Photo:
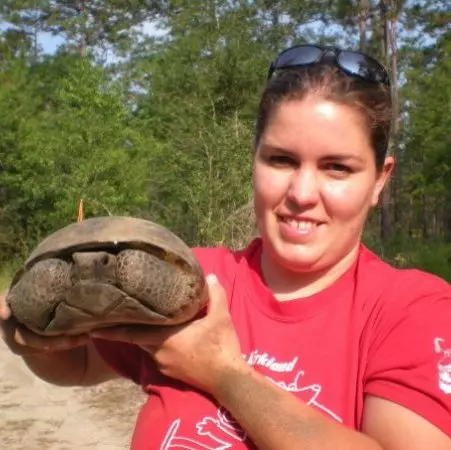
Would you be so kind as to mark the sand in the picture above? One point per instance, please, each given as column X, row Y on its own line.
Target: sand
column 37, row 415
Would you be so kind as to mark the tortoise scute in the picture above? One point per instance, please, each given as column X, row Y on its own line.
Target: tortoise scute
column 137, row 273
column 38, row 292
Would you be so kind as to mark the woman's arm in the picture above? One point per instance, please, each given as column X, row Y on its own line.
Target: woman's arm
column 276, row 419
column 397, row 427
column 63, row 361
column 206, row 354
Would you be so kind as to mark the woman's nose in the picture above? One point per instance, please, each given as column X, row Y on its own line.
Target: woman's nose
column 304, row 189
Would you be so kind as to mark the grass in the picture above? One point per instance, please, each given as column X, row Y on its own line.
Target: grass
column 6, row 274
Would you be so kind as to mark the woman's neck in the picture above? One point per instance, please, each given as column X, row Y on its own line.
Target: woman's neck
column 289, row 285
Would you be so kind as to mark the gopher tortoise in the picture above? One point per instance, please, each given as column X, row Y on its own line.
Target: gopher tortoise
column 107, row 271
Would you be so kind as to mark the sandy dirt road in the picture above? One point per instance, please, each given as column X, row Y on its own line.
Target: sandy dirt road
column 38, row 416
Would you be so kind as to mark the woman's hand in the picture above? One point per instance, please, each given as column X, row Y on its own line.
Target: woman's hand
column 199, row 353
column 23, row 342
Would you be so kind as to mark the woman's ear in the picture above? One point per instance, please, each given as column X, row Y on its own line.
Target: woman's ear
column 383, row 177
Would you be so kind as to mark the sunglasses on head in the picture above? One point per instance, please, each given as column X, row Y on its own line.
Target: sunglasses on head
column 351, row 62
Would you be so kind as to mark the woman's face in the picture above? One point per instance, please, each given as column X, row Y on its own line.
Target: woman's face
column 315, row 180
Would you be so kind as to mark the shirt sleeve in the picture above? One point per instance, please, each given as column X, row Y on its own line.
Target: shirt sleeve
column 409, row 361
column 132, row 362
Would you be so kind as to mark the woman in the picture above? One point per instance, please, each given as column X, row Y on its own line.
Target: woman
column 310, row 341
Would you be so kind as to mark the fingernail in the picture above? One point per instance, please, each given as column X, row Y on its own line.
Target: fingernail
column 211, row 279
column 19, row 338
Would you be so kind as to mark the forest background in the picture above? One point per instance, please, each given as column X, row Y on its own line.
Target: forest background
column 147, row 108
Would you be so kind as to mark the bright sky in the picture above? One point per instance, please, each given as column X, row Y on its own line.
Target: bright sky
column 50, row 43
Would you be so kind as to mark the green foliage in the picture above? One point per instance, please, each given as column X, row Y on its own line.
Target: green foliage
column 14, row 44
column 434, row 258
column 426, row 165
column 165, row 132
column 6, row 274
column 74, row 140
column 404, row 251
column 201, row 179
column 85, row 25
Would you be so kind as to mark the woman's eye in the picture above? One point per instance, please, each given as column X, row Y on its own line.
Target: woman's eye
column 337, row 167
column 281, row 160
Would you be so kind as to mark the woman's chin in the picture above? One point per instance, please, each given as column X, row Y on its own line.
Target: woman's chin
column 298, row 258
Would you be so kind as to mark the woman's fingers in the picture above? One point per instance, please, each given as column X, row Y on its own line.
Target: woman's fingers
column 148, row 335
column 155, row 335
column 217, row 305
column 4, row 310
column 24, row 342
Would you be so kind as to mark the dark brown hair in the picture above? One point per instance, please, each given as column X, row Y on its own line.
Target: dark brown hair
column 327, row 81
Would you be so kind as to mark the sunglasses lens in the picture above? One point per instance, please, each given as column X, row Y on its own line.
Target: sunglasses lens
column 298, row 56
column 354, row 63
column 362, row 66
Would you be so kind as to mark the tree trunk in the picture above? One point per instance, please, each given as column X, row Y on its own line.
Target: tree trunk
column 410, row 217
column 363, row 15
column 385, row 213
column 393, row 67
column 424, row 217
column 447, row 220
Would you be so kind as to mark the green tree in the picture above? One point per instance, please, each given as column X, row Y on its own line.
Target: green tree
column 68, row 137
column 85, row 25
column 428, row 139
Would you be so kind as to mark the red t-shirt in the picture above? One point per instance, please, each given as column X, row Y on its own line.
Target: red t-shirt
column 377, row 330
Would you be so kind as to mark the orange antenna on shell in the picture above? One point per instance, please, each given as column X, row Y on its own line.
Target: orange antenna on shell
column 80, row 211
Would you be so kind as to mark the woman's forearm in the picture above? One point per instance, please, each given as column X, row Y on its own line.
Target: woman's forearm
column 276, row 420
column 62, row 368
column 78, row 366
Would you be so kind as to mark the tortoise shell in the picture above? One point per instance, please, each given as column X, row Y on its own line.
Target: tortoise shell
column 107, row 271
